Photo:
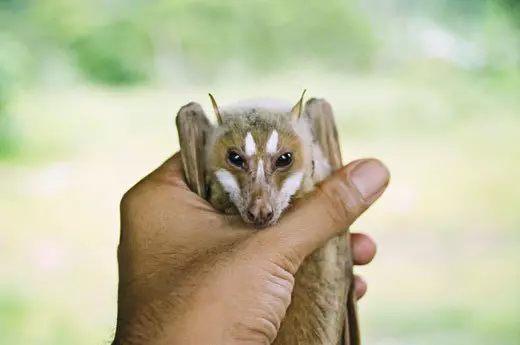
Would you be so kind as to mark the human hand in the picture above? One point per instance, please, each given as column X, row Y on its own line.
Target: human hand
column 191, row 275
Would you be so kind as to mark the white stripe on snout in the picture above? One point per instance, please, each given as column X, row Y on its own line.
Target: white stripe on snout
column 250, row 145
column 272, row 143
column 260, row 175
column 230, row 184
column 290, row 186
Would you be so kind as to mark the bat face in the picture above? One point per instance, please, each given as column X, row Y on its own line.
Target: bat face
column 259, row 163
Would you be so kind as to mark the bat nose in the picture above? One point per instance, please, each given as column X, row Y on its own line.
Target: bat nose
column 260, row 212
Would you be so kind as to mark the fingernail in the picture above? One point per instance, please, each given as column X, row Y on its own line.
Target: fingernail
column 369, row 178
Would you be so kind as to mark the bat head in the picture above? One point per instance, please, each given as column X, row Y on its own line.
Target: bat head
column 260, row 160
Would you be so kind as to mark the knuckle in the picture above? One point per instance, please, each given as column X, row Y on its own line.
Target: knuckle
column 128, row 200
column 341, row 201
column 253, row 331
column 132, row 200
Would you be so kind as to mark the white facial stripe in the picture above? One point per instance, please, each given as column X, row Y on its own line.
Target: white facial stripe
column 272, row 143
column 250, row 145
column 291, row 186
column 260, row 175
column 230, row 184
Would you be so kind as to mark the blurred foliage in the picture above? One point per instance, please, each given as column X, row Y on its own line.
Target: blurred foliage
column 119, row 53
column 14, row 59
column 123, row 42
column 128, row 42
column 513, row 7
column 119, row 42
column 116, row 42
column 263, row 34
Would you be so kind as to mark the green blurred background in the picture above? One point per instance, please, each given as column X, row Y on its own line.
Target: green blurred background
column 88, row 95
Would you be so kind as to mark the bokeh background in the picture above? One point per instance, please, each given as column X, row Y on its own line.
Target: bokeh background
column 88, row 95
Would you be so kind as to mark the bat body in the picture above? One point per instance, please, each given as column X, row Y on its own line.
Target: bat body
column 261, row 155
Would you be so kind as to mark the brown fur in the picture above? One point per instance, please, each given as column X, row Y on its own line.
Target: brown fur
column 260, row 123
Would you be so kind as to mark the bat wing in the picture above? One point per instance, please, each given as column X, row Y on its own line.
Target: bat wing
column 321, row 117
column 193, row 128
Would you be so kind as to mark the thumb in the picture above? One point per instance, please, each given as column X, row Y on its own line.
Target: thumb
column 327, row 211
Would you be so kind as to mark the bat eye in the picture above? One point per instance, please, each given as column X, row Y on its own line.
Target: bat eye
column 284, row 160
column 235, row 159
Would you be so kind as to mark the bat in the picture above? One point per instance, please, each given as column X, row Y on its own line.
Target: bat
column 259, row 156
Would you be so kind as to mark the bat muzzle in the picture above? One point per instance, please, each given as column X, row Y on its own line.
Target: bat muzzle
column 260, row 213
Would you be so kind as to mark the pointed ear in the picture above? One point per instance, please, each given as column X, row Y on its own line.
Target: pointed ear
column 215, row 108
column 297, row 110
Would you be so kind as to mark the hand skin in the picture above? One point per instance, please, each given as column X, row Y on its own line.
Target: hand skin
column 190, row 275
